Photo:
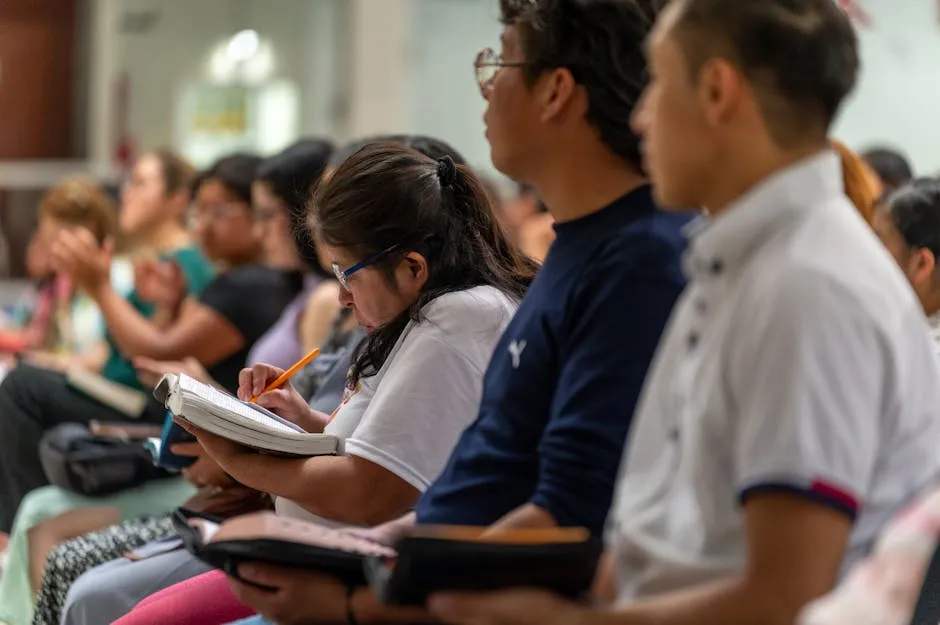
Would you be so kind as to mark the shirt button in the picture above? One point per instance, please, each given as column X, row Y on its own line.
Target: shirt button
column 692, row 341
column 701, row 305
column 717, row 266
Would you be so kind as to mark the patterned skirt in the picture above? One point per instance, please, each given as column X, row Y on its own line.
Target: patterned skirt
column 73, row 558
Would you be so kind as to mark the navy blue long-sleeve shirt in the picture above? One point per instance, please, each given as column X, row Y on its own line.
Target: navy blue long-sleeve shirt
column 563, row 382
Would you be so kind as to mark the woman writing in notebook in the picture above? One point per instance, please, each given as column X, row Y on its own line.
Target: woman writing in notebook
column 428, row 272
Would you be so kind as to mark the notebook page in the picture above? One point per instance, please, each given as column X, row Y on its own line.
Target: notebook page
column 227, row 403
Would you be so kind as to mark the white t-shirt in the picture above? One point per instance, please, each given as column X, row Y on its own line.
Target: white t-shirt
column 796, row 360
column 408, row 417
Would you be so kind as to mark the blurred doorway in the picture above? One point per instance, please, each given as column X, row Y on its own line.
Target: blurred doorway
column 37, row 59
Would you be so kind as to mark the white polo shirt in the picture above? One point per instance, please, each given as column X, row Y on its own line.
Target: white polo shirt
column 798, row 359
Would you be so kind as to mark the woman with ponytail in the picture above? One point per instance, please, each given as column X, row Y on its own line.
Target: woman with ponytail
column 429, row 273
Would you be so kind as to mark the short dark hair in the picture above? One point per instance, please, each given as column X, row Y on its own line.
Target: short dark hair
column 915, row 212
column 890, row 165
column 601, row 43
column 802, row 55
column 235, row 172
column 292, row 176
column 390, row 197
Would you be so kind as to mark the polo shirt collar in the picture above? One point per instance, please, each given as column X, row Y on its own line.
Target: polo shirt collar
column 729, row 239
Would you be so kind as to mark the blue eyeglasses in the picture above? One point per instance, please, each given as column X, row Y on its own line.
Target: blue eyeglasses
column 343, row 274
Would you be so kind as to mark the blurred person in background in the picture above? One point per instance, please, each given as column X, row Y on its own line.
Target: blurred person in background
column 217, row 328
column 24, row 310
column 280, row 197
column 522, row 205
column 891, row 166
column 237, row 307
column 154, row 203
column 528, row 221
column 908, row 223
column 34, row 399
column 64, row 326
column 168, row 265
column 321, row 315
column 537, row 232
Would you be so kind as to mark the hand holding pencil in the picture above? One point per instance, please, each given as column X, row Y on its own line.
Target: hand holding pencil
column 270, row 388
column 284, row 378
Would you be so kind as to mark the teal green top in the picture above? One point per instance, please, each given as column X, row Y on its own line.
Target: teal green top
column 198, row 272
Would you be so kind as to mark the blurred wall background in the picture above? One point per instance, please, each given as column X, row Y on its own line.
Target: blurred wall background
column 86, row 84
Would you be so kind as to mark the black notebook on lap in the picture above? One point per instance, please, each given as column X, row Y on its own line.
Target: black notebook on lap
column 428, row 560
column 442, row 558
column 265, row 537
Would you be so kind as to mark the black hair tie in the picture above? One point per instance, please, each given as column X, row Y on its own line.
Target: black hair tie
column 446, row 171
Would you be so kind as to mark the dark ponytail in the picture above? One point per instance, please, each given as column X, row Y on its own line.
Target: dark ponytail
column 386, row 195
column 464, row 194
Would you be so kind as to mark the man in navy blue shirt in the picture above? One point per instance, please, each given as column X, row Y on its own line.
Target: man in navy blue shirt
column 564, row 379
column 563, row 382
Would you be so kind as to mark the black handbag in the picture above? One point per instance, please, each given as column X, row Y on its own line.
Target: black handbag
column 76, row 460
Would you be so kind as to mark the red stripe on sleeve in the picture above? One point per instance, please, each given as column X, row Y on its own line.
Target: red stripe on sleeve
column 836, row 494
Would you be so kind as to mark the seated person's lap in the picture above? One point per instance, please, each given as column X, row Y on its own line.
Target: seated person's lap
column 110, row 591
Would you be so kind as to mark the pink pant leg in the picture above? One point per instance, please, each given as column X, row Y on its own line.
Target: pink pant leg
column 203, row 600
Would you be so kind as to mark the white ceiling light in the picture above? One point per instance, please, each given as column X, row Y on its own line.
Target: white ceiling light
column 243, row 46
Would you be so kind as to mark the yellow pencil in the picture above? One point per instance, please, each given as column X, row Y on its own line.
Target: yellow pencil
column 287, row 375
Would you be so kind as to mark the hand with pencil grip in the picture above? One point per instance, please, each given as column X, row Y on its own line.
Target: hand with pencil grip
column 285, row 401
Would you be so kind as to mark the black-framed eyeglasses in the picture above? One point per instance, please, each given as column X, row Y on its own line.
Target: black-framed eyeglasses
column 343, row 274
column 487, row 65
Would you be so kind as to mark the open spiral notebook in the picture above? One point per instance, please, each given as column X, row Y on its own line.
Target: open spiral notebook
column 251, row 425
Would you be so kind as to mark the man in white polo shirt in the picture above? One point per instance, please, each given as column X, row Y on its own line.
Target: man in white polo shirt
column 792, row 408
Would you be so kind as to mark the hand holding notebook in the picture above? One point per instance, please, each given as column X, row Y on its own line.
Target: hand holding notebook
column 429, row 559
column 224, row 415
